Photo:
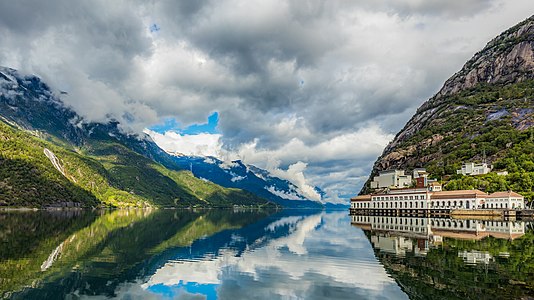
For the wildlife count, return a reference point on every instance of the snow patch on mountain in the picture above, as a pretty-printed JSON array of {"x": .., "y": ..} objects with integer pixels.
[
  {"x": 210, "y": 160},
  {"x": 283, "y": 194},
  {"x": 237, "y": 178}
]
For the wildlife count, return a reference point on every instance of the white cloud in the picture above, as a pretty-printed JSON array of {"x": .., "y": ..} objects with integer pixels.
[{"x": 203, "y": 144}]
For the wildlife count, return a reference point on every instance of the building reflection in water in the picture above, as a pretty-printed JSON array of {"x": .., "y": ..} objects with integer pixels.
[{"x": 402, "y": 235}]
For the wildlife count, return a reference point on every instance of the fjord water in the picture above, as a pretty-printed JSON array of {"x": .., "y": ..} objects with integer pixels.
[{"x": 224, "y": 254}]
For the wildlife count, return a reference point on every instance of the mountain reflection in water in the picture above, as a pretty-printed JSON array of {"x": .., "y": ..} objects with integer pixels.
[
  {"x": 222, "y": 254},
  {"x": 168, "y": 254}
]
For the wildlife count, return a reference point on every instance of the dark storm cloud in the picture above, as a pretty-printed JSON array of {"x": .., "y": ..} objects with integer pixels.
[{"x": 289, "y": 79}]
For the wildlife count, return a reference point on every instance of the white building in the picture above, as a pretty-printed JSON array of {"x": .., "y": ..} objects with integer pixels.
[
  {"x": 474, "y": 169},
  {"x": 418, "y": 198},
  {"x": 434, "y": 198},
  {"x": 419, "y": 172},
  {"x": 507, "y": 199},
  {"x": 391, "y": 179}
]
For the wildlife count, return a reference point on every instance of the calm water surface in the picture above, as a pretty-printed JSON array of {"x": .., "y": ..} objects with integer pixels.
[{"x": 219, "y": 254}]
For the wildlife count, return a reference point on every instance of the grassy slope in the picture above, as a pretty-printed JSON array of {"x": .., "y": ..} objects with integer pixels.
[{"x": 102, "y": 173}]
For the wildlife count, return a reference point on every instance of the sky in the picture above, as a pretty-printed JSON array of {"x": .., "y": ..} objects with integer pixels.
[{"x": 322, "y": 86}]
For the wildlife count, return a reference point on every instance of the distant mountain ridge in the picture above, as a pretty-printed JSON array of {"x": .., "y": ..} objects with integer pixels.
[
  {"x": 246, "y": 177},
  {"x": 28, "y": 103},
  {"x": 484, "y": 112}
]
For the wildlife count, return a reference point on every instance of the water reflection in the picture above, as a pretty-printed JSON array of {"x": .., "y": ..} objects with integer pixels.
[
  {"x": 184, "y": 254},
  {"x": 438, "y": 258},
  {"x": 218, "y": 254}
]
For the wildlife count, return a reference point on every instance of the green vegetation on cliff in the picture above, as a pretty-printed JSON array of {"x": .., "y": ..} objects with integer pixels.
[{"x": 484, "y": 112}]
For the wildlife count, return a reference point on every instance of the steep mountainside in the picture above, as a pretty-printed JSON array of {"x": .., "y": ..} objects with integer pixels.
[
  {"x": 485, "y": 111},
  {"x": 48, "y": 158}
]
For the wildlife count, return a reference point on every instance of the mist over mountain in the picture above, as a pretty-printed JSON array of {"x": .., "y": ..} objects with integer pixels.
[{"x": 131, "y": 165}]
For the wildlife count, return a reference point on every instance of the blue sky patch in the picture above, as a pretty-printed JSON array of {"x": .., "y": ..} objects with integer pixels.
[
  {"x": 170, "y": 124},
  {"x": 170, "y": 292}
]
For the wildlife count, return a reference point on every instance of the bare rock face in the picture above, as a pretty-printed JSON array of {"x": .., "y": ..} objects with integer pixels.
[
  {"x": 505, "y": 66},
  {"x": 507, "y": 59}
]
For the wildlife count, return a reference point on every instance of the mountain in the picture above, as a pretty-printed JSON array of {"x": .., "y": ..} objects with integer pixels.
[
  {"x": 483, "y": 112},
  {"x": 247, "y": 177},
  {"x": 48, "y": 157}
]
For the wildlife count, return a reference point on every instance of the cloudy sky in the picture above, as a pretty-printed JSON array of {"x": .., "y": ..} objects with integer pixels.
[{"x": 318, "y": 86}]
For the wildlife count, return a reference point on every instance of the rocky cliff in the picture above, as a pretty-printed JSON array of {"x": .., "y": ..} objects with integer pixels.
[{"x": 480, "y": 112}]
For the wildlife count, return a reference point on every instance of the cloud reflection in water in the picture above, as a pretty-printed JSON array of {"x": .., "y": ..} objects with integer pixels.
[{"x": 315, "y": 257}]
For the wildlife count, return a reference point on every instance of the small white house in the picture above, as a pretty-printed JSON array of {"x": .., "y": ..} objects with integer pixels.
[
  {"x": 474, "y": 169},
  {"x": 434, "y": 187},
  {"x": 419, "y": 172}
]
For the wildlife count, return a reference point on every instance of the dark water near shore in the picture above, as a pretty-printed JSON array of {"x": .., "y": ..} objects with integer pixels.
[{"x": 220, "y": 254}]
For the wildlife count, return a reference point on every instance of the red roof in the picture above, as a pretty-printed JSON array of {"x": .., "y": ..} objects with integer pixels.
[
  {"x": 458, "y": 194},
  {"x": 361, "y": 198},
  {"x": 505, "y": 195}
]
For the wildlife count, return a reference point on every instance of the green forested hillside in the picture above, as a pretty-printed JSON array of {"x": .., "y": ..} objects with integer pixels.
[
  {"x": 99, "y": 174},
  {"x": 488, "y": 122}
]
